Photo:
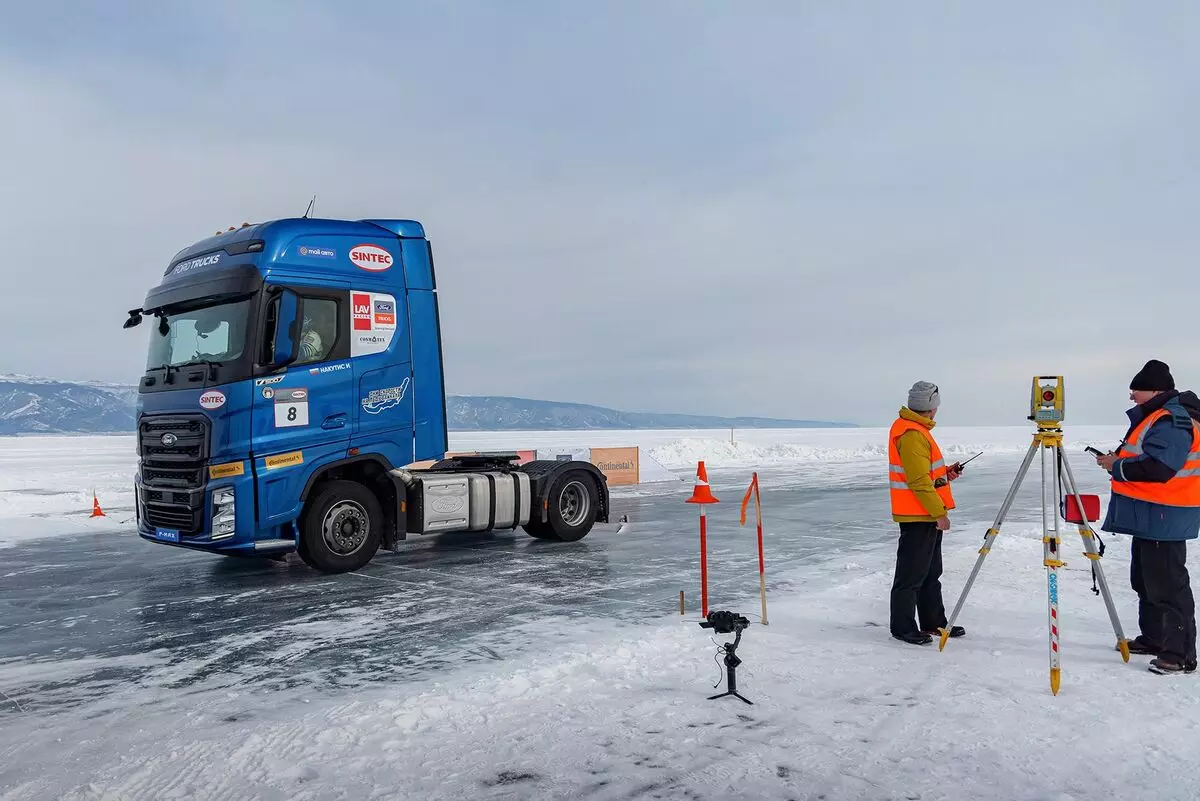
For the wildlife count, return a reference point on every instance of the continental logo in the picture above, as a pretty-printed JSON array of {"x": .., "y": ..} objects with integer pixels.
[
  {"x": 626, "y": 465},
  {"x": 284, "y": 460},
  {"x": 620, "y": 466},
  {"x": 227, "y": 470}
]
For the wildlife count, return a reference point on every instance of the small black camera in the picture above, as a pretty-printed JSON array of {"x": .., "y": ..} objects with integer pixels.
[{"x": 724, "y": 622}]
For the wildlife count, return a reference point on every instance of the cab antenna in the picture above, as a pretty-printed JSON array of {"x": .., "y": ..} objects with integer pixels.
[{"x": 311, "y": 203}]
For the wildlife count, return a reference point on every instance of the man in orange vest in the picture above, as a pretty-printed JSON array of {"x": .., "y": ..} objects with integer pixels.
[
  {"x": 919, "y": 481},
  {"x": 1156, "y": 500}
]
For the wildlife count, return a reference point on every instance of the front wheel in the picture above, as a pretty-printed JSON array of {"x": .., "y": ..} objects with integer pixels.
[{"x": 342, "y": 528}]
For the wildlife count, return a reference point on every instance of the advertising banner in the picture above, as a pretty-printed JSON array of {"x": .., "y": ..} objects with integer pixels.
[{"x": 619, "y": 465}]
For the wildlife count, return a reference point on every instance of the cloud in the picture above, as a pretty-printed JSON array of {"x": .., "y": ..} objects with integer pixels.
[{"x": 796, "y": 212}]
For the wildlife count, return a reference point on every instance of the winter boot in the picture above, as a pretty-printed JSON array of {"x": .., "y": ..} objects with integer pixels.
[
  {"x": 1164, "y": 667},
  {"x": 1139, "y": 646},
  {"x": 957, "y": 631},
  {"x": 915, "y": 637}
]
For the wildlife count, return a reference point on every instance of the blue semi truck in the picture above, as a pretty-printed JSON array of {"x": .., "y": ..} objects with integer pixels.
[{"x": 294, "y": 400}]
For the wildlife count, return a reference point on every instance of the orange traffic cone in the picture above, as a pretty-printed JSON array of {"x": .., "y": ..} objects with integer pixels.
[
  {"x": 701, "y": 493},
  {"x": 96, "y": 510}
]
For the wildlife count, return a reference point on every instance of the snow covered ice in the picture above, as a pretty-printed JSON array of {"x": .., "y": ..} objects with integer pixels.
[{"x": 497, "y": 666}]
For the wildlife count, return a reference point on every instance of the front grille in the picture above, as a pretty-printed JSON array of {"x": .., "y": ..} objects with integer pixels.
[
  {"x": 187, "y": 521},
  {"x": 173, "y": 476},
  {"x": 179, "y": 465}
]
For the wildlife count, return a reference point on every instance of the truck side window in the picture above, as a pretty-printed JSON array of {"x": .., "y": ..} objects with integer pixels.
[{"x": 318, "y": 330}]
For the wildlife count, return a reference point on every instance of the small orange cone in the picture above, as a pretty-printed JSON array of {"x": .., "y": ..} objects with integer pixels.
[
  {"x": 96, "y": 510},
  {"x": 701, "y": 493}
]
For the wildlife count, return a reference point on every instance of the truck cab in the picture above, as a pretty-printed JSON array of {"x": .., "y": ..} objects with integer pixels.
[{"x": 294, "y": 400}]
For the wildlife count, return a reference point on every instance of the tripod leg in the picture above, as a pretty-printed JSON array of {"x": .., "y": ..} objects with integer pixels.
[
  {"x": 1093, "y": 553},
  {"x": 731, "y": 663},
  {"x": 1050, "y": 550},
  {"x": 989, "y": 538}
]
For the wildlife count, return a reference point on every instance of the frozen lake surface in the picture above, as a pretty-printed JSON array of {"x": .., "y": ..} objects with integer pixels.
[{"x": 101, "y": 632}]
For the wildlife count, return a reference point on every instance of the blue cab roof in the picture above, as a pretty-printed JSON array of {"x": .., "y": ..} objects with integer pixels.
[{"x": 274, "y": 233}]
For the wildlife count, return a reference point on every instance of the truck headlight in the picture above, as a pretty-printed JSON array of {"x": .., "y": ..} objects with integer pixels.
[{"x": 224, "y": 520}]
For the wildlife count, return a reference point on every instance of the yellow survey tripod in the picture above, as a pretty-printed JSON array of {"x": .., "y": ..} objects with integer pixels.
[{"x": 1047, "y": 410}]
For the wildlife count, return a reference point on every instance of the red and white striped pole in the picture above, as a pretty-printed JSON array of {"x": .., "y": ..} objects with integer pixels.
[
  {"x": 752, "y": 490},
  {"x": 702, "y": 494}
]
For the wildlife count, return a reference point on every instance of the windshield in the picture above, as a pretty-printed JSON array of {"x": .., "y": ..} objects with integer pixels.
[{"x": 214, "y": 333}]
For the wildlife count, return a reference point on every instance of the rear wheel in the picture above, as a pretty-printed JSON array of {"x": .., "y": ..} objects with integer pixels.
[
  {"x": 342, "y": 528},
  {"x": 573, "y": 502}
]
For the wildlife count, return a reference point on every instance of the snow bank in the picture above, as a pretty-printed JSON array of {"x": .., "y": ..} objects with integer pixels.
[
  {"x": 617, "y": 709},
  {"x": 717, "y": 453}
]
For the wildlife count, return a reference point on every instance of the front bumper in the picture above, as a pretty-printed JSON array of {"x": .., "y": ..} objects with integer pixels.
[{"x": 218, "y": 518}]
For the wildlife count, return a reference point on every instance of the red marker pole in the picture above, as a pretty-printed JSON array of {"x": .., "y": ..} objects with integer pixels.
[
  {"x": 702, "y": 494},
  {"x": 703, "y": 564}
]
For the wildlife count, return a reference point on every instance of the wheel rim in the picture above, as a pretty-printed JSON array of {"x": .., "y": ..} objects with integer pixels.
[
  {"x": 574, "y": 503},
  {"x": 345, "y": 527}
]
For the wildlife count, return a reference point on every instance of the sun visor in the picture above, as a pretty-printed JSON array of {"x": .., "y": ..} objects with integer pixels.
[{"x": 226, "y": 280}]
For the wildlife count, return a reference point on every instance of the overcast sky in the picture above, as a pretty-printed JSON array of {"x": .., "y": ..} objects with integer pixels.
[{"x": 778, "y": 209}]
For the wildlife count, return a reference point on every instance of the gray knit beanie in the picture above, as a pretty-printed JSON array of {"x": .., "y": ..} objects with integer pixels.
[{"x": 923, "y": 397}]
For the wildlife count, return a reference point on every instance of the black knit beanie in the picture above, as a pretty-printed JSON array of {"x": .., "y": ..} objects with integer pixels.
[{"x": 1155, "y": 376}]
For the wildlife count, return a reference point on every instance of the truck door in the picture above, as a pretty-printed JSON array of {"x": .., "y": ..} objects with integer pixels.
[
  {"x": 379, "y": 349},
  {"x": 309, "y": 408}
]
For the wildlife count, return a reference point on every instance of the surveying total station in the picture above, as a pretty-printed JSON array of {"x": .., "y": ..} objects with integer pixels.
[{"x": 1047, "y": 410}]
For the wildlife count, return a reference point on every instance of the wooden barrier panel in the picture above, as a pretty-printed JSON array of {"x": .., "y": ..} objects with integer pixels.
[{"x": 619, "y": 465}]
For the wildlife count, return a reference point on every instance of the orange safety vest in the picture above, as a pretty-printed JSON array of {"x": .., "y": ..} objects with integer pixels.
[
  {"x": 905, "y": 502},
  {"x": 1183, "y": 489}
]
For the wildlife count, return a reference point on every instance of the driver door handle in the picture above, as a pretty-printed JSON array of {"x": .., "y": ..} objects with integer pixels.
[{"x": 334, "y": 421}]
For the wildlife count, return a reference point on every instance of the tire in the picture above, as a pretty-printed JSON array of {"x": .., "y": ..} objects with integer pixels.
[
  {"x": 540, "y": 530},
  {"x": 574, "y": 501},
  {"x": 302, "y": 552},
  {"x": 351, "y": 516}
]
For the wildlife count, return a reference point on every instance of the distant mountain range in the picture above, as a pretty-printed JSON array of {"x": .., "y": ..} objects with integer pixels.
[
  {"x": 32, "y": 405},
  {"x": 500, "y": 413}
]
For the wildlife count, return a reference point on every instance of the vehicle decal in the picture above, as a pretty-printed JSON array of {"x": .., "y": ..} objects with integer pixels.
[
  {"x": 370, "y": 257},
  {"x": 213, "y": 399},
  {"x": 329, "y": 368},
  {"x": 379, "y": 400},
  {"x": 227, "y": 470},
  {"x": 284, "y": 460},
  {"x": 317, "y": 253},
  {"x": 373, "y": 322},
  {"x": 291, "y": 408}
]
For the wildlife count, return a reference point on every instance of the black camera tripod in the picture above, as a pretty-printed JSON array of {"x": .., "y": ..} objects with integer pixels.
[{"x": 731, "y": 658}]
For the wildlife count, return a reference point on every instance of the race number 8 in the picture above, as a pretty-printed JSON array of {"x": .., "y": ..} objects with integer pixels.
[{"x": 291, "y": 413}]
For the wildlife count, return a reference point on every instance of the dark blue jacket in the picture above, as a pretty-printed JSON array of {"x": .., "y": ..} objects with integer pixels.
[{"x": 1165, "y": 447}]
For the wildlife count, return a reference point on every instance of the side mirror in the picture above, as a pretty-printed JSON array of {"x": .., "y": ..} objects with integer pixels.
[
  {"x": 287, "y": 330},
  {"x": 135, "y": 318}
]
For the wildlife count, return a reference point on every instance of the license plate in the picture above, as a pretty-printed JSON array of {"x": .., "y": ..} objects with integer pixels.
[{"x": 167, "y": 534}]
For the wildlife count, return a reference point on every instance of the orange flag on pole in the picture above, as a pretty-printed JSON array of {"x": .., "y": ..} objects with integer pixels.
[{"x": 752, "y": 491}]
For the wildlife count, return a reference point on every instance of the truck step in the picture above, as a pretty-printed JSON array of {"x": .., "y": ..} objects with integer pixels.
[{"x": 274, "y": 545}]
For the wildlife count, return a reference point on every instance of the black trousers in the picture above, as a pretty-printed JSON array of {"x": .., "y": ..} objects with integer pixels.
[
  {"x": 917, "y": 584},
  {"x": 1166, "y": 608}
]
